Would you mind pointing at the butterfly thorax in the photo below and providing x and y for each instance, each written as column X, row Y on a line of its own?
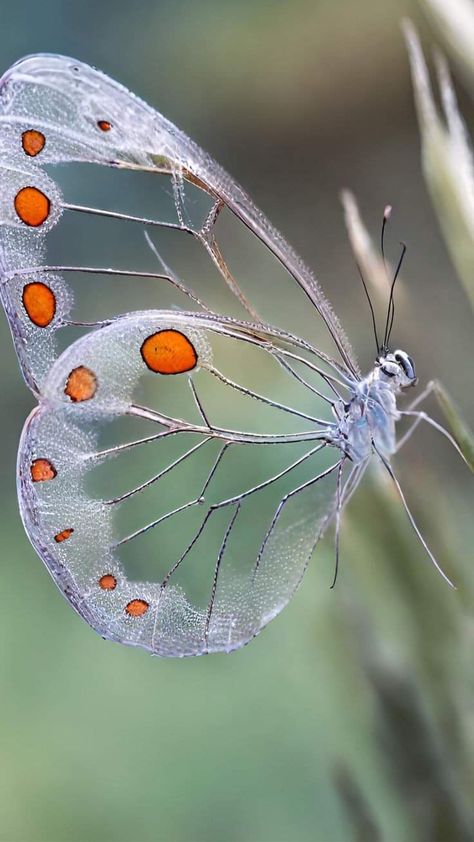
column 367, row 421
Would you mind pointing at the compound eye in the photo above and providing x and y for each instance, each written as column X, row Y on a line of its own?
column 406, row 363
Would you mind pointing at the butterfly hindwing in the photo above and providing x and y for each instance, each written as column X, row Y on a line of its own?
column 215, row 577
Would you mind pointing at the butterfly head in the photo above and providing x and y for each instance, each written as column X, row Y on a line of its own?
column 396, row 367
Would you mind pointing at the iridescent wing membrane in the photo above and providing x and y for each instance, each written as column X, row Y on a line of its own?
column 213, row 447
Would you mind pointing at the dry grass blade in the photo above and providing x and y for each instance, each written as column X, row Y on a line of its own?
column 367, row 258
column 447, row 160
column 454, row 21
column 461, row 432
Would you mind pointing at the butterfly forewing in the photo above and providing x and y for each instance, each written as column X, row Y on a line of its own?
column 82, row 115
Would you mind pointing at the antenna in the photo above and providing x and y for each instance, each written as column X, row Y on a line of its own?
column 374, row 323
column 391, row 302
column 386, row 216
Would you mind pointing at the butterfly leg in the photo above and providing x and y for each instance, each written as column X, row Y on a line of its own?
column 418, row 415
column 338, row 520
column 390, row 470
column 344, row 494
column 419, row 399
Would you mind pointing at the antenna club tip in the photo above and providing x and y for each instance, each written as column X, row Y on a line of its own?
column 387, row 212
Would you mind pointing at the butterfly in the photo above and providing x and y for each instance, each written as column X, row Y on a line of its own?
column 229, row 485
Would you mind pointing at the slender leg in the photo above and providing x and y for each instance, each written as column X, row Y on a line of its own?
column 389, row 468
column 419, row 399
column 419, row 416
column 338, row 520
column 423, row 395
column 423, row 416
column 401, row 442
column 344, row 494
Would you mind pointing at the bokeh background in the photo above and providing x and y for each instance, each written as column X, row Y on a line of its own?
column 351, row 716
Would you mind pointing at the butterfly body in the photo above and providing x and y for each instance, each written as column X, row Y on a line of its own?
column 367, row 421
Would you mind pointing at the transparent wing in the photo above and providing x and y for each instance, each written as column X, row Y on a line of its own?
column 220, row 493
column 212, row 432
column 54, row 109
column 36, row 303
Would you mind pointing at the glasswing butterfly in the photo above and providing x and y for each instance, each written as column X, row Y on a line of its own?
column 238, row 482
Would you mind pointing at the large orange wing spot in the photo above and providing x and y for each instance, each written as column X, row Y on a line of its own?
column 40, row 303
column 81, row 384
column 42, row 470
column 63, row 536
column 32, row 206
column 137, row 608
column 108, row 582
column 169, row 352
column 104, row 125
column 32, row 142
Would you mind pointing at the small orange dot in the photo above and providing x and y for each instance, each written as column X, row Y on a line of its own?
column 104, row 125
column 42, row 470
column 63, row 536
column 32, row 142
column 81, row 384
column 108, row 582
column 40, row 303
column 169, row 352
column 32, row 206
column 137, row 608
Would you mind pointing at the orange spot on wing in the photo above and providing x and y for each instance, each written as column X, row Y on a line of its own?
column 32, row 142
column 169, row 352
column 63, row 536
column 40, row 303
column 32, row 206
column 42, row 470
column 104, row 125
column 81, row 384
column 108, row 582
column 137, row 607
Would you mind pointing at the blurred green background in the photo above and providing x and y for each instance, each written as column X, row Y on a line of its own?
column 351, row 716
